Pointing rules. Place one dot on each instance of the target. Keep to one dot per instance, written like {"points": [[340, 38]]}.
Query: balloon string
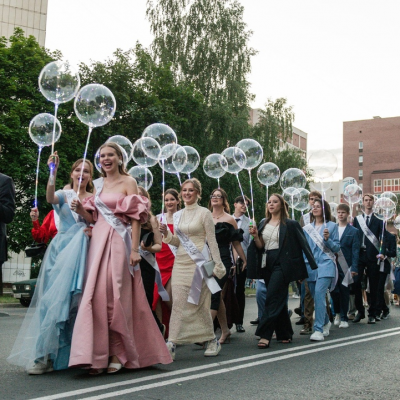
{"points": [[52, 143], [241, 192], [267, 194], [292, 207], [84, 160], [163, 190], [179, 178], [383, 232], [251, 193], [323, 207], [218, 183], [37, 175]]}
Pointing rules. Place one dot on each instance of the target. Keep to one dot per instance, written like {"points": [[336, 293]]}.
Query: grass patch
{"points": [[250, 291], [7, 299]]}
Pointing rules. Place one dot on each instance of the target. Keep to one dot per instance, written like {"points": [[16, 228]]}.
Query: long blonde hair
{"points": [[117, 148], [89, 186]]}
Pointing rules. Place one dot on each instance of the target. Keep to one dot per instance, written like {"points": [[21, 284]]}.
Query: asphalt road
{"points": [[361, 362]]}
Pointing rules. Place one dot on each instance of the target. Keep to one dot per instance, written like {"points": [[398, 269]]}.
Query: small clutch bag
{"points": [[209, 268], [148, 239], [35, 249]]}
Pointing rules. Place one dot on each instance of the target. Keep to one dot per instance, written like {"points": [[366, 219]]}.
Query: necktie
{"points": [[367, 220], [237, 219]]}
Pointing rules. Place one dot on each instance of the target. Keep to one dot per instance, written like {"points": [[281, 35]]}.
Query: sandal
{"points": [[113, 368], [286, 341], [96, 371], [263, 345]]}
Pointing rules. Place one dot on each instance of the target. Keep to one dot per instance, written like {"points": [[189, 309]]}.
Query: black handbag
{"points": [[35, 249]]}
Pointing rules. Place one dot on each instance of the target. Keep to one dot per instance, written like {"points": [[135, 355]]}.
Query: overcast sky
{"points": [[334, 61]]}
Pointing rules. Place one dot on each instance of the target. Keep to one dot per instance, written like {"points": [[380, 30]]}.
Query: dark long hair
{"points": [[224, 200], [175, 193], [326, 208], [284, 213]]}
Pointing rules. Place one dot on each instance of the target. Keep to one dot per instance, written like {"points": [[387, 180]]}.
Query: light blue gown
{"points": [[46, 331]]}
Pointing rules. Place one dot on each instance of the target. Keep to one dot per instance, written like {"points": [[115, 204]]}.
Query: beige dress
{"points": [[192, 323]]}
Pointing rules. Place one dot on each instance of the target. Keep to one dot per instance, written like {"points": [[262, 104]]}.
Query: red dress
{"points": [[45, 232], [165, 260]]}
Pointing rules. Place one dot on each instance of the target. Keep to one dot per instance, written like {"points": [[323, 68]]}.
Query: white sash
{"points": [[69, 195], [199, 258], [173, 249], [319, 241], [123, 230], [367, 232], [306, 218], [348, 278], [149, 257]]}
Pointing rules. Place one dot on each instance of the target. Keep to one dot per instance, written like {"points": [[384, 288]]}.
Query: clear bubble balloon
{"points": [[151, 147], [293, 178], [322, 163], [352, 194], [41, 129], [143, 176], [97, 160], [59, 82], [384, 208], [348, 181], [396, 222], [193, 160], [391, 196], [268, 174], [124, 142], [165, 137], [95, 105], [292, 196], [139, 155], [253, 151], [212, 165], [176, 162], [236, 159], [321, 185], [303, 204], [334, 207]]}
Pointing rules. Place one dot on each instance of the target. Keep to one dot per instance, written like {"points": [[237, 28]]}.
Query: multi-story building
{"points": [[371, 154], [298, 139], [30, 15]]}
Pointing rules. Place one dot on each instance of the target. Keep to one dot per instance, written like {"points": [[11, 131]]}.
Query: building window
{"points": [[361, 186], [360, 174], [360, 145], [333, 199], [378, 186], [391, 185], [360, 160]]}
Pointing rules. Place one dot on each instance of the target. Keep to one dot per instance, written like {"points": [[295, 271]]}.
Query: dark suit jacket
{"points": [[7, 210], [292, 244], [375, 226], [350, 246]]}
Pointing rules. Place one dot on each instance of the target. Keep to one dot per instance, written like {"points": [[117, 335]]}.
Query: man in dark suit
{"points": [[7, 210], [241, 203], [370, 232], [347, 265]]}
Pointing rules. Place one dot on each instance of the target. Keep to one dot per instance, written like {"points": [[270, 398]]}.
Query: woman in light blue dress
{"points": [[44, 339]]}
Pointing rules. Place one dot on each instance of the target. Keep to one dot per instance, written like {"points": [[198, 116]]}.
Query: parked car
{"points": [[23, 291]]}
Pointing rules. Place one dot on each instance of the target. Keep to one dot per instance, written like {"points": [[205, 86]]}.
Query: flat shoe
{"points": [[262, 345], [113, 366], [96, 371]]}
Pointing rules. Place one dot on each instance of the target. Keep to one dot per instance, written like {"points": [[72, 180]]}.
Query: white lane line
{"points": [[223, 370], [267, 354]]}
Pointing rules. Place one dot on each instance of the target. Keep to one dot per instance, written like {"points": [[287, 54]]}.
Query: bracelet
{"points": [[135, 250]]}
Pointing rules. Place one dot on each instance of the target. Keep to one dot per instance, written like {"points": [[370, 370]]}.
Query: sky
{"points": [[333, 60]]}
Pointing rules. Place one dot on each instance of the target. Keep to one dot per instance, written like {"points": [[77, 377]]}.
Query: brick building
{"points": [[371, 153]]}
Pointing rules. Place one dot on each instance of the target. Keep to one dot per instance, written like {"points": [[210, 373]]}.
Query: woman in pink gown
{"points": [[115, 327]]}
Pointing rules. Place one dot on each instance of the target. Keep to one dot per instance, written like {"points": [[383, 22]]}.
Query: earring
{"points": [[120, 162]]}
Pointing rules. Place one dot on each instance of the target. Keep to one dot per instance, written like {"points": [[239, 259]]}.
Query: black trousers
{"points": [[275, 316], [148, 279], [357, 289], [240, 294], [377, 281]]}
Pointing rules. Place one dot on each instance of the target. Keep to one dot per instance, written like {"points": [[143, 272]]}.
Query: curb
{"points": [[11, 305]]}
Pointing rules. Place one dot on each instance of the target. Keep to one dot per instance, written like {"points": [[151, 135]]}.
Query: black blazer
{"points": [[375, 226], [7, 210], [292, 244]]}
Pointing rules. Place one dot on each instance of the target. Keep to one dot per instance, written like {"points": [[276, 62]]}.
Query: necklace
{"points": [[106, 186], [219, 216]]}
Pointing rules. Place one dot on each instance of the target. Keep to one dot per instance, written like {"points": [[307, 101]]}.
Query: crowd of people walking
{"points": [[121, 288]]}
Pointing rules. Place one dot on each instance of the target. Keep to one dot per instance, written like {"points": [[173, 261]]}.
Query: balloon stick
{"points": [[163, 189], [52, 143], [323, 207], [218, 183], [179, 178], [37, 174], [251, 192], [241, 192], [84, 159]]}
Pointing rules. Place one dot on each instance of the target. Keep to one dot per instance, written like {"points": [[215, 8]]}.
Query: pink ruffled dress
{"points": [[114, 317]]}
